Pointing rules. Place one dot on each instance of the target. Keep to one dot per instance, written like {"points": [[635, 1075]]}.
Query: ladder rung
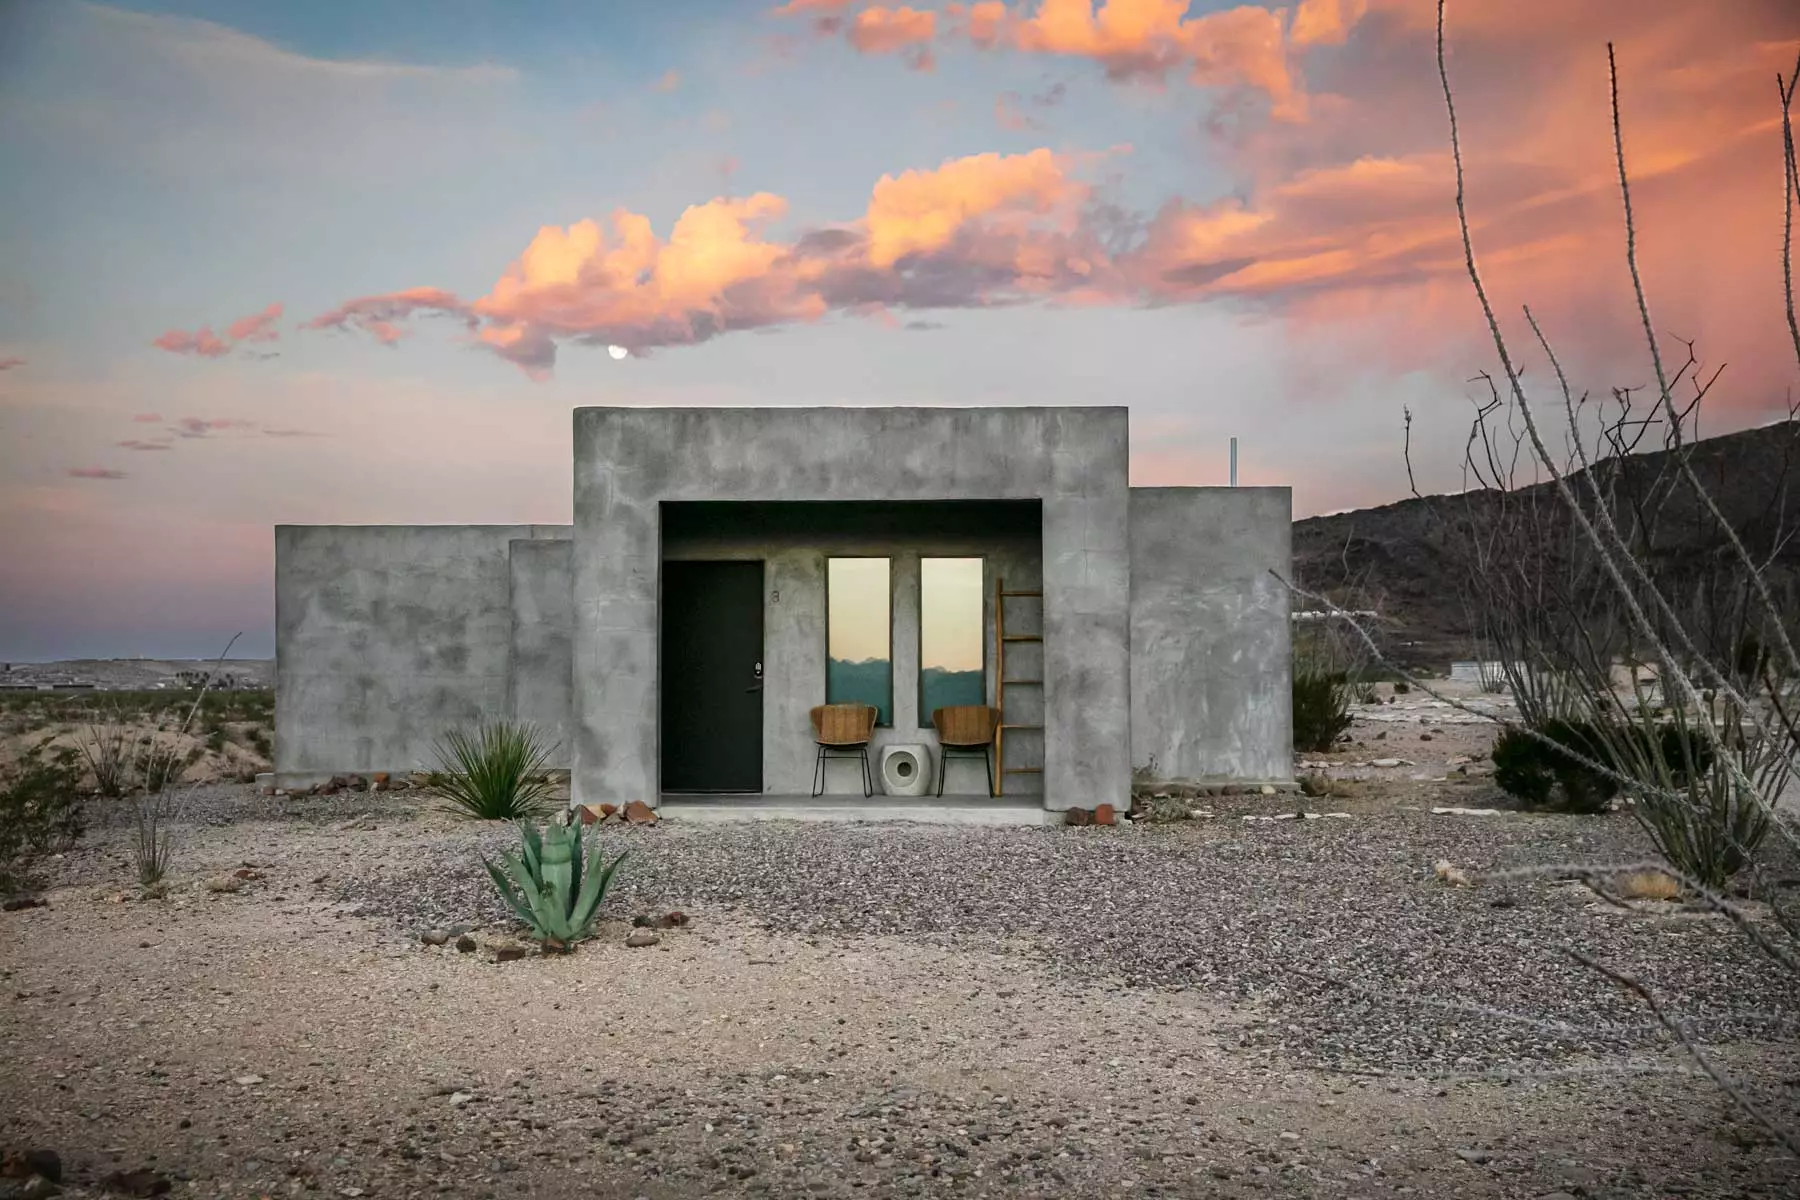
{"points": [[1011, 682], [1021, 593], [1023, 637], [1023, 770], [1005, 726]]}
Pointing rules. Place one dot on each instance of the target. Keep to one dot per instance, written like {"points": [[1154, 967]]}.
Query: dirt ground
{"points": [[270, 1041]]}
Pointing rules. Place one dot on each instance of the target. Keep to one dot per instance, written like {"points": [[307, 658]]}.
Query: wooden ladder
{"points": [[1002, 639]]}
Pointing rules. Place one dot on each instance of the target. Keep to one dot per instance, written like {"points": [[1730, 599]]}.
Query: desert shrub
{"points": [[154, 815], [1321, 708], [41, 810], [496, 773], [1401, 687], [552, 886], [1540, 775], [111, 751]]}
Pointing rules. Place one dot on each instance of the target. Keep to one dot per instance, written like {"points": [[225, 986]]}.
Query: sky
{"points": [[355, 262]]}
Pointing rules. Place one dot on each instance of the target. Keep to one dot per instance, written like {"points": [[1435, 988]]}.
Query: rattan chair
{"points": [[843, 729], [965, 729]]}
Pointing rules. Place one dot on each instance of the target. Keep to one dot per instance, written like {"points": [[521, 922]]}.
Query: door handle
{"points": [[758, 685]]}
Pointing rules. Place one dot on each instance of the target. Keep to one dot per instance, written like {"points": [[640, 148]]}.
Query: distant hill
{"points": [[1405, 554]]}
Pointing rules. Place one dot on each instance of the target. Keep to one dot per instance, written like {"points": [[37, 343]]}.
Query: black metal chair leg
{"points": [[868, 775], [819, 773], [988, 760], [943, 769]]}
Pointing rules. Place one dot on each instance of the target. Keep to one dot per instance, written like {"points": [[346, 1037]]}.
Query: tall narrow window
{"points": [[952, 658], [859, 665]]}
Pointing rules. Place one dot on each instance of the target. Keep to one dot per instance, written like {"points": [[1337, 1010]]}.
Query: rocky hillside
{"points": [[1408, 560]]}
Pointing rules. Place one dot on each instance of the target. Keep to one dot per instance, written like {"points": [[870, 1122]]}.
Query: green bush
{"points": [[1540, 775], [41, 812], [552, 886], [496, 773], [1321, 708]]}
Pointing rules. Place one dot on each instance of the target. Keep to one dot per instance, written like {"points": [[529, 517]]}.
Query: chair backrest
{"points": [[844, 724], [965, 724]]}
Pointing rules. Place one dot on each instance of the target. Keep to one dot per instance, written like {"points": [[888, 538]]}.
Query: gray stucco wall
{"points": [[628, 462], [794, 649], [1210, 650], [386, 635], [542, 642]]}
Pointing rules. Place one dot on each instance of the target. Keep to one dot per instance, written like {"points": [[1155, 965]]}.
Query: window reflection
{"points": [[859, 665], [951, 643]]}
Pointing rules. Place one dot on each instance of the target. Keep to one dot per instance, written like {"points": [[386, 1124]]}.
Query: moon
{"points": [[617, 352]]}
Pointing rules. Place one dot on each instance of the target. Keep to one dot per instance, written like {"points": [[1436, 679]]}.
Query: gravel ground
{"points": [[1215, 1008], [1335, 929]]}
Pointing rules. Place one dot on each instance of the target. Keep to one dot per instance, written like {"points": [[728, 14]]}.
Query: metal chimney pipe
{"points": [[1233, 462]]}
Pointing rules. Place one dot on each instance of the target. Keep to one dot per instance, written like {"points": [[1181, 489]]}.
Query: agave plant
{"points": [[552, 885], [496, 773]]}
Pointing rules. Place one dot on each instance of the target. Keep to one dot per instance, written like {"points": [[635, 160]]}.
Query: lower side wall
{"points": [[1210, 634], [543, 644], [386, 636]]}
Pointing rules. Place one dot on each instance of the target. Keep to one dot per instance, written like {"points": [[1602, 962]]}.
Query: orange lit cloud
{"points": [[981, 230], [670, 81], [96, 473], [892, 30], [1250, 46], [139, 444], [1342, 225], [258, 327]]}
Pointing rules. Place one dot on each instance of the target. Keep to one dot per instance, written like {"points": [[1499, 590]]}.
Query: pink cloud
{"points": [[148, 418], [670, 81], [203, 342], [96, 473], [377, 315], [7, 364], [259, 327], [135, 444]]}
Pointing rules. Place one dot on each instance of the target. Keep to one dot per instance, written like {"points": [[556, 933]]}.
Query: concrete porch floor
{"points": [[931, 810]]}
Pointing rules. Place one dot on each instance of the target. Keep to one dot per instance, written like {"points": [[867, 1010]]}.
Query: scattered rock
{"points": [[465, 944], [37, 1188], [1466, 812], [357, 822], [435, 937], [1268, 789], [143, 1182], [640, 938], [1315, 785], [1076, 816], [247, 873], [22, 1164], [509, 953], [224, 883], [639, 813], [248, 1080], [1103, 815], [18, 903], [458, 1099], [1454, 876], [1475, 1157]]}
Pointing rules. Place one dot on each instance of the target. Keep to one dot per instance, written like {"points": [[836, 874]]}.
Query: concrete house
{"points": [[729, 569]]}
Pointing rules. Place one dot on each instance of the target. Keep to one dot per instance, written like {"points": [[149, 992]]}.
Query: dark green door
{"points": [[712, 675]]}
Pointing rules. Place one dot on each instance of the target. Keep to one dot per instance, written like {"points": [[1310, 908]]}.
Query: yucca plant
{"points": [[552, 885], [496, 773]]}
